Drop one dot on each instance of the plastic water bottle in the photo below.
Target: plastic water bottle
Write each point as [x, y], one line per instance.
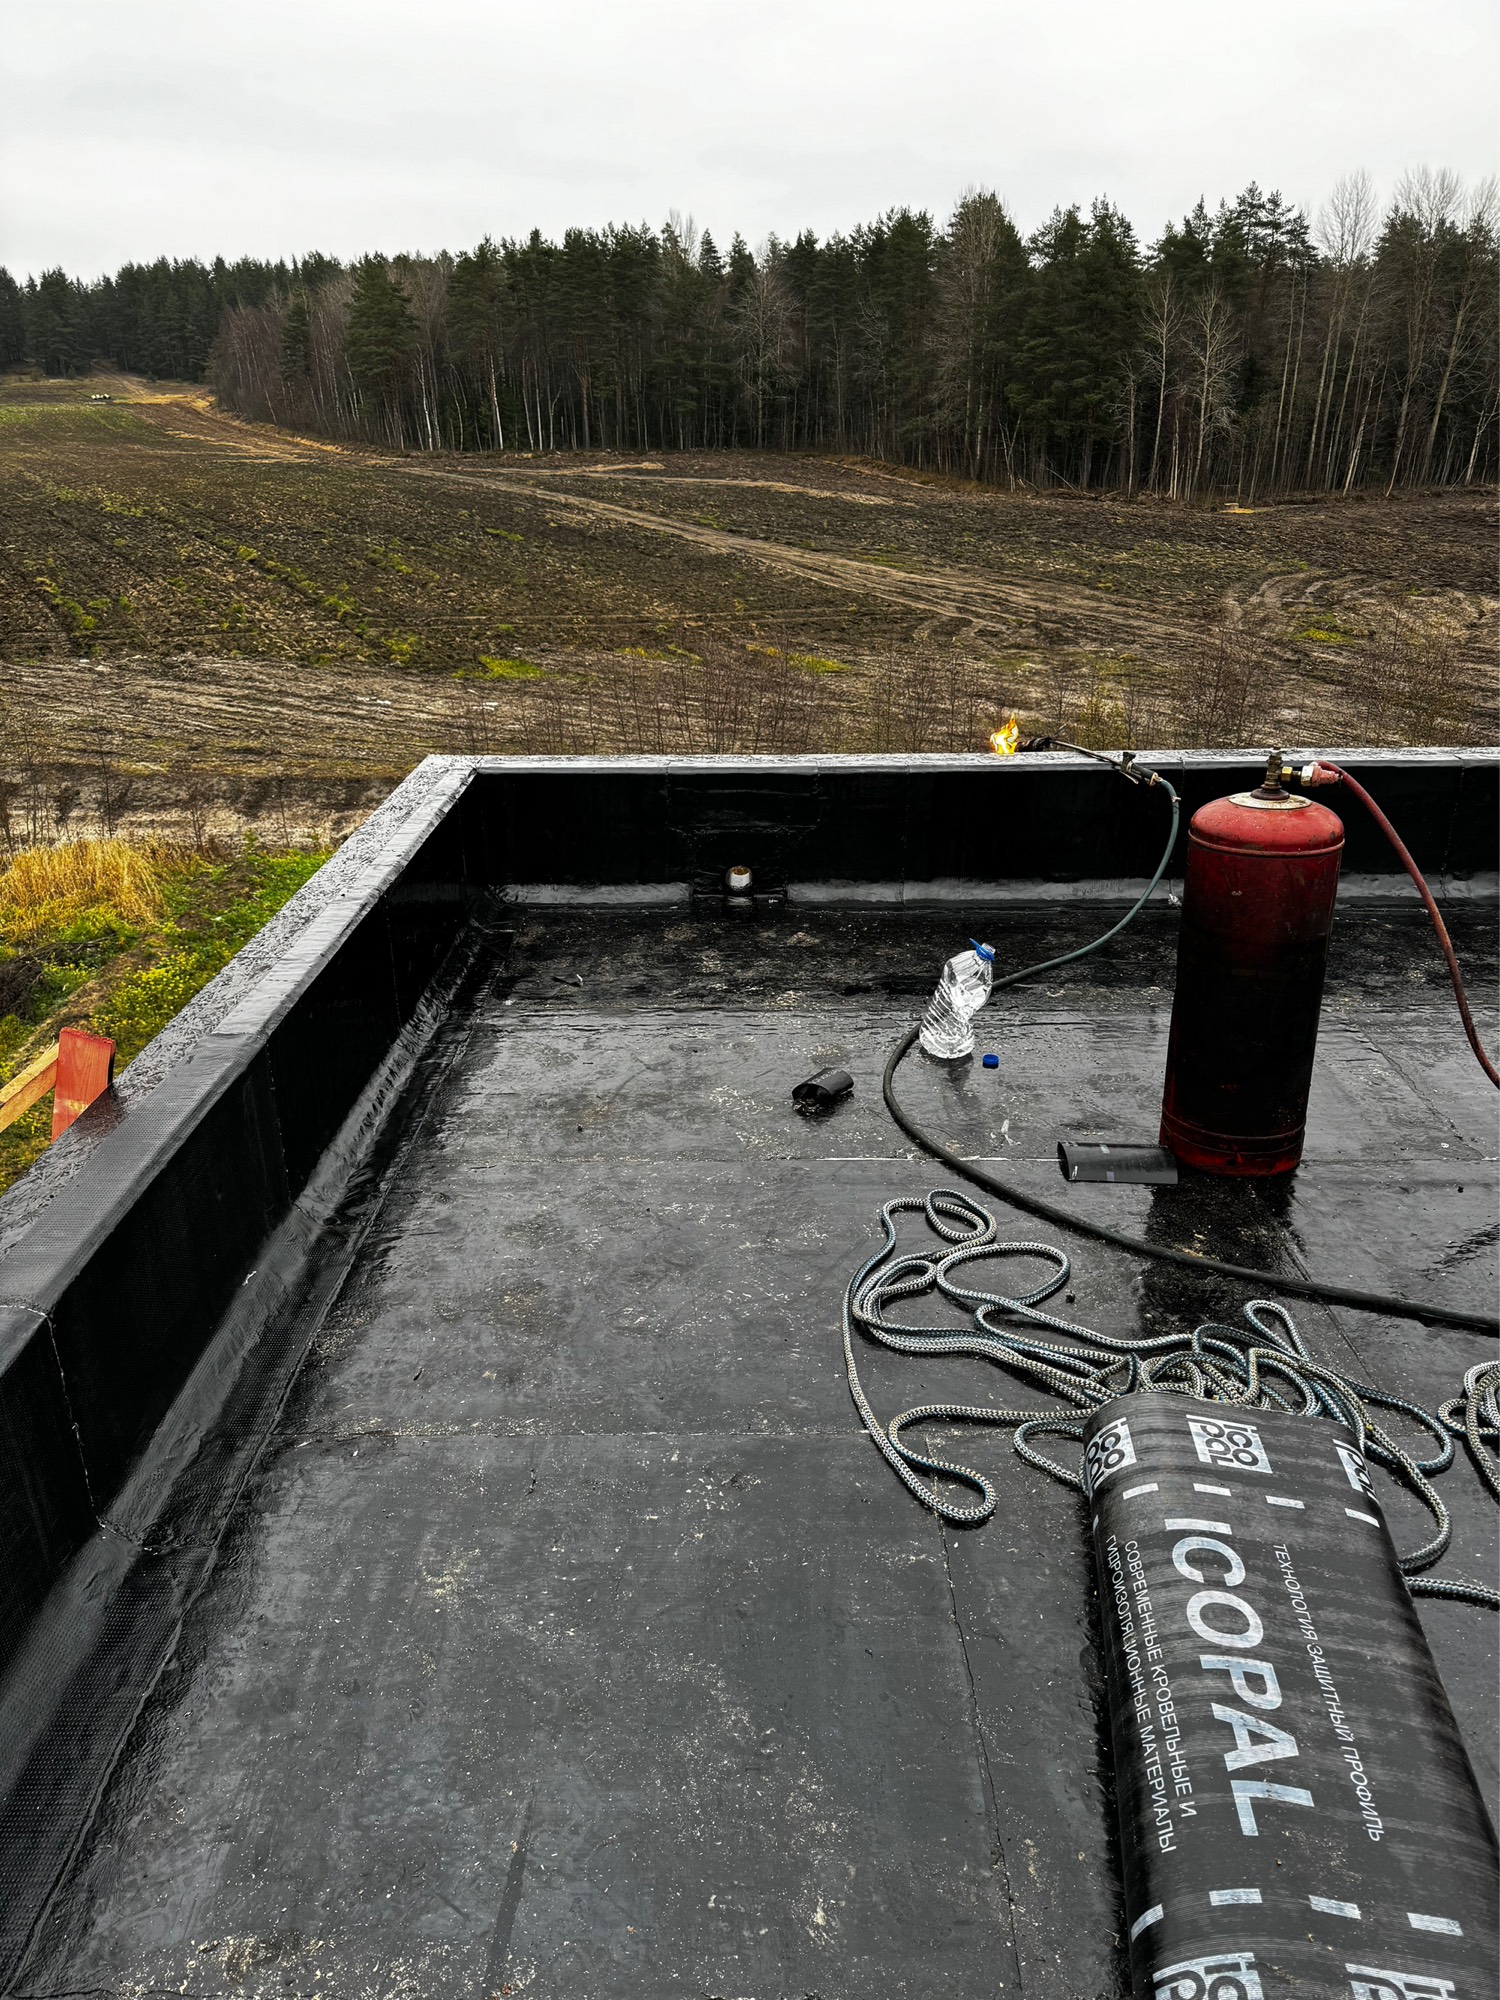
[948, 1025]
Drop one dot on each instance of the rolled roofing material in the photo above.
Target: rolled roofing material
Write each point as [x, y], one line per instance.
[1297, 1811]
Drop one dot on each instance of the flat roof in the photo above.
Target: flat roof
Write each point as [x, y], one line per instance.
[570, 1638]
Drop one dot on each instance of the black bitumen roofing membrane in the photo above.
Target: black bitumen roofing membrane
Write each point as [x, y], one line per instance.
[534, 1617]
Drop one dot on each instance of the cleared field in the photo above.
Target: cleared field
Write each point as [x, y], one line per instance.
[209, 621]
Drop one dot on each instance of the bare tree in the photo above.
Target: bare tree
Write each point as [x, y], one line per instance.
[1162, 318]
[1476, 249]
[1427, 205]
[763, 319]
[1346, 237]
[113, 789]
[26, 793]
[1412, 684]
[1212, 343]
[194, 796]
[1221, 688]
[1345, 229]
[426, 283]
[332, 391]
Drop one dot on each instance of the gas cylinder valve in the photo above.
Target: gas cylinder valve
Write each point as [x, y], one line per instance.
[1273, 784]
[1280, 774]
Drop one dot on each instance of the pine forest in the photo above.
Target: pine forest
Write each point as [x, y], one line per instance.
[1251, 350]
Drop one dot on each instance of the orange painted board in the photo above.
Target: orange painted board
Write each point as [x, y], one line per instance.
[85, 1070]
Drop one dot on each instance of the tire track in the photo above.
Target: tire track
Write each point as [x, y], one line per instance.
[982, 604]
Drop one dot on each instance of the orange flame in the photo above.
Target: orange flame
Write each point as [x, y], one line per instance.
[1005, 741]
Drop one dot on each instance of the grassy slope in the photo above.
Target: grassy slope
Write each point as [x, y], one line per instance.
[89, 962]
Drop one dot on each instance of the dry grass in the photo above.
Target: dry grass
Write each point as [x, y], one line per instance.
[1416, 686]
[707, 694]
[117, 938]
[43, 887]
[1227, 684]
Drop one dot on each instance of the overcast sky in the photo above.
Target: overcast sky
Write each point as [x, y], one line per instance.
[137, 128]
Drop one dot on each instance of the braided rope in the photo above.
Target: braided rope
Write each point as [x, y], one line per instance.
[1480, 1419]
[1263, 1364]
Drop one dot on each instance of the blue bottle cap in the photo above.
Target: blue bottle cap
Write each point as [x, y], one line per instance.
[984, 951]
[990, 1062]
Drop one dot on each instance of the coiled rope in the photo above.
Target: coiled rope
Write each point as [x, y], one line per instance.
[1475, 1415]
[1263, 1364]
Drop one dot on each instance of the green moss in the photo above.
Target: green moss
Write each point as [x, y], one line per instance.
[492, 669]
[1328, 635]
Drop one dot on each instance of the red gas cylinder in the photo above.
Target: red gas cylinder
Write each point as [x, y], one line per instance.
[1257, 909]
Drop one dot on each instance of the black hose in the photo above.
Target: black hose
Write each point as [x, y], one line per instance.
[1187, 1260]
[1263, 1363]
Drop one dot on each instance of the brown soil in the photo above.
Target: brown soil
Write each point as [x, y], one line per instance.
[278, 623]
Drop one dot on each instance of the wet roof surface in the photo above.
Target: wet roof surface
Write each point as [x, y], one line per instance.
[570, 1637]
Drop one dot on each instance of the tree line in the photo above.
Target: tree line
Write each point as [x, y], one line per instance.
[1253, 349]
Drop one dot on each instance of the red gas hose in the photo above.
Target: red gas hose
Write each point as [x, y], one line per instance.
[1337, 775]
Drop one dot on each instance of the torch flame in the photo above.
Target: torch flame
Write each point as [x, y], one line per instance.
[1005, 741]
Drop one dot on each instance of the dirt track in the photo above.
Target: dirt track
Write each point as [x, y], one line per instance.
[978, 601]
[976, 604]
[296, 622]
